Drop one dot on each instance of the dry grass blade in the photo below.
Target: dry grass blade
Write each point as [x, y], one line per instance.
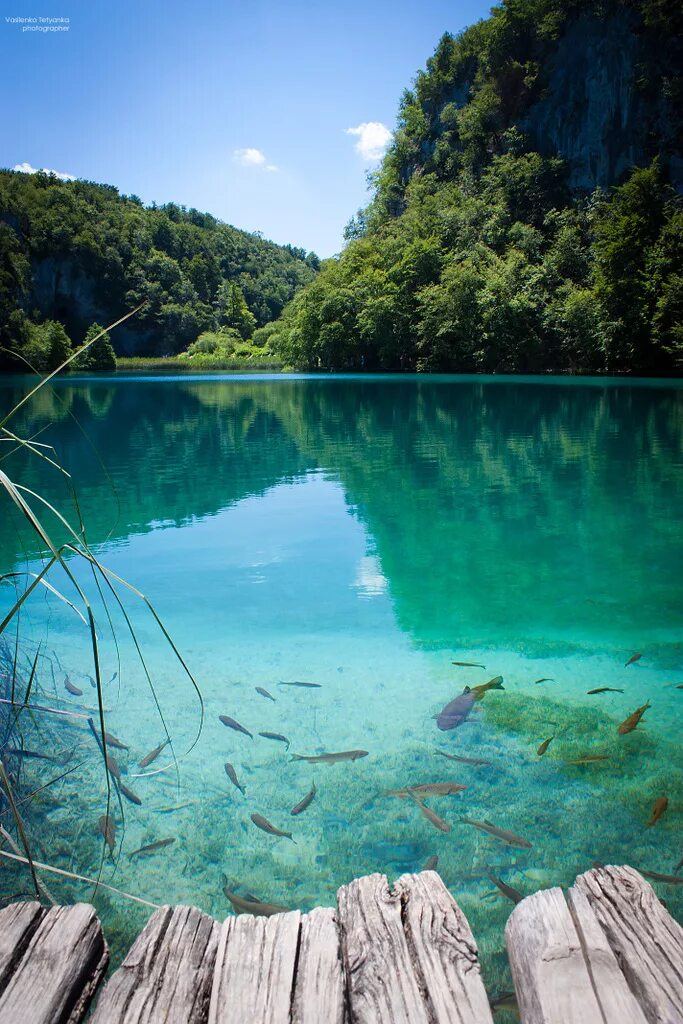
[78, 878]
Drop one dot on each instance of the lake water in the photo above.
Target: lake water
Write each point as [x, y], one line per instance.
[361, 534]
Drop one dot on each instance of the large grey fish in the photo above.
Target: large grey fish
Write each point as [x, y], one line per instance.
[151, 847]
[456, 711]
[343, 755]
[275, 736]
[264, 693]
[68, 685]
[266, 826]
[232, 775]
[430, 815]
[306, 802]
[242, 905]
[112, 741]
[431, 864]
[499, 833]
[153, 754]
[107, 827]
[507, 890]
[428, 789]
[232, 724]
[129, 794]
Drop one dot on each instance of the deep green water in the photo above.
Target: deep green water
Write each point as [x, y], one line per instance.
[363, 533]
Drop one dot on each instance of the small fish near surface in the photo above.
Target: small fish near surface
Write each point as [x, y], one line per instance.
[605, 689]
[242, 905]
[428, 789]
[264, 693]
[153, 755]
[629, 724]
[69, 686]
[587, 758]
[465, 760]
[507, 890]
[468, 664]
[143, 851]
[333, 758]
[275, 736]
[431, 864]
[545, 679]
[544, 746]
[107, 828]
[306, 802]
[232, 724]
[658, 808]
[298, 682]
[493, 684]
[430, 815]
[456, 711]
[634, 657]
[509, 838]
[266, 826]
[232, 775]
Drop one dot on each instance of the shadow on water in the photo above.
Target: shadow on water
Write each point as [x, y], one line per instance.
[530, 525]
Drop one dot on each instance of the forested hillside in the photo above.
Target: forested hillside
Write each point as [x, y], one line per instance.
[74, 253]
[527, 216]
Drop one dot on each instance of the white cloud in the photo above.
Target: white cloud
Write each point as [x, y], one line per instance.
[370, 580]
[373, 139]
[26, 168]
[251, 157]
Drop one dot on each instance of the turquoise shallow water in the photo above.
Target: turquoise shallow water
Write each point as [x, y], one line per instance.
[363, 533]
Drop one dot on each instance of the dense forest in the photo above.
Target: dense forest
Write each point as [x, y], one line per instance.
[73, 253]
[527, 216]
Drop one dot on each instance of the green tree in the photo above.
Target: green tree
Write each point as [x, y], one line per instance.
[100, 356]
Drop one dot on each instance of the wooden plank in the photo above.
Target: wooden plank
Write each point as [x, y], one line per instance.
[18, 922]
[167, 974]
[62, 965]
[551, 978]
[648, 943]
[319, 982]
[254, 974]
[443, 951]
[381, 981]
[617, 1002]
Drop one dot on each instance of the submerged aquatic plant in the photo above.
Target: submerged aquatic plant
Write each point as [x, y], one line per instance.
[23, 699]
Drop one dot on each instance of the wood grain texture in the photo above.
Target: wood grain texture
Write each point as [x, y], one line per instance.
[61, 966]
[254, 973]
[443, 951]
[319, 982]
[18, 922]
[645, 938]
[167, 974]
[551, 978]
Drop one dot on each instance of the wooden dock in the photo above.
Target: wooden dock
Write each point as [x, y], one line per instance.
[606, 953]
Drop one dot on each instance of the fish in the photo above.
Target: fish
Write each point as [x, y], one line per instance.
[468, 664]
[658, 808]
[113, 678]
[306, 802]
[544, 746]
[92, 681]
[464, 760]
[264, 693]
[634, 657]
[68, 685]
[232, 775]
[266, 826]
[428, 789]
[456, 711]
[176, 807]
[504, 1001]
[232, 724]
[629, 724]
[587, 758]
[275, 736]
[430, 815]
[151, 847]
[297, 682]
[499, 833]
[343, 755]
[242, 905]
[129, 794]
[112, 741]
[546, 679]
[507, 890]
[153, 755]
[431, 864]
[679, 686]
[113, 767]
[657, 877]
[107, 828]
[493, 684]
[605, 689]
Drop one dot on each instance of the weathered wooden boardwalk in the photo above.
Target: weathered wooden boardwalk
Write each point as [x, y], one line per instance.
[608, 953]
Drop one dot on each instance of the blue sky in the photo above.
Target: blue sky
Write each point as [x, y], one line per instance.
[240, 109]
